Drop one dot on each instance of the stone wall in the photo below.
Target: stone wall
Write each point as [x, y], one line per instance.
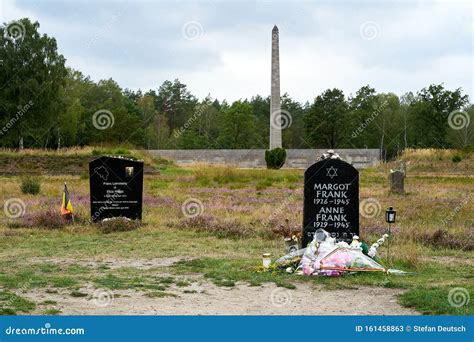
[301, 158]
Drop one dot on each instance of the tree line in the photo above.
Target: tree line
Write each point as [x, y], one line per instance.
[45, 104]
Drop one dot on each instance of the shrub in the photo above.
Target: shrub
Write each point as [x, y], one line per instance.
[30, 185]
[287, 229]
[49, 219]
[443, 239]
[275, 158]
[456, 158]
[118, 224]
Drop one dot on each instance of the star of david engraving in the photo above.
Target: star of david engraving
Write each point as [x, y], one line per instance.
[331, 172]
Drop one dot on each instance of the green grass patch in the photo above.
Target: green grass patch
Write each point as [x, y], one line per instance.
[182, 283]
[63, 281]
[52, 312]
[165, 280]
[159, 294]
[439, 300]
[78, 294]
[266, 183]
[159, 184]
[11, 304]
[114, 282]
[227, 272]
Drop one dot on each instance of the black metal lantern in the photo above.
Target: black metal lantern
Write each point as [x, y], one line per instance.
[390, 215]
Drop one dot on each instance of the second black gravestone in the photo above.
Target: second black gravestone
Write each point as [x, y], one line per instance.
[331, 200]
[116, 188]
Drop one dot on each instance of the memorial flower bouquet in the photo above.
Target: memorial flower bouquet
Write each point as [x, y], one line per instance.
[323, 256]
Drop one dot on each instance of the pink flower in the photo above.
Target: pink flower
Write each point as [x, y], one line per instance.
[307, 270]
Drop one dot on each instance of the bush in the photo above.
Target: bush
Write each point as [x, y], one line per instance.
[442, 239]
[47, 219]
[30, 185]
[275, 158]
[456, 158]
[287, 229]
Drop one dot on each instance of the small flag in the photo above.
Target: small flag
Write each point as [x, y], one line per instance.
[66, 207]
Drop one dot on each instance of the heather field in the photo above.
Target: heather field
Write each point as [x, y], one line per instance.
[203, 233]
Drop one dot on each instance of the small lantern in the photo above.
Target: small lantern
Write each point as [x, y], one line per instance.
[390, 215]
[266, 260]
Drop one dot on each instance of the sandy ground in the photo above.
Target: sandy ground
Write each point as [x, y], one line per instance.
[239, 300]
[204, 298]
[114, 263]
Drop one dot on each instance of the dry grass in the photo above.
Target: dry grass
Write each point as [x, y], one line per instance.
[247, 212]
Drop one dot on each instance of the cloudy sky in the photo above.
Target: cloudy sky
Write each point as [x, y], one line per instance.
[223, 47]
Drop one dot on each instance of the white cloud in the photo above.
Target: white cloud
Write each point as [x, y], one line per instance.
[416, 44]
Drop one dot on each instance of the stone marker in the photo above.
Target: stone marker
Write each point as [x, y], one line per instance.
[116, 188]
[403, 168]
[397, 181]
[331, 199]
[275, 106]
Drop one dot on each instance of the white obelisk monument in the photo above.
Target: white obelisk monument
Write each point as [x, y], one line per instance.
[275, 106]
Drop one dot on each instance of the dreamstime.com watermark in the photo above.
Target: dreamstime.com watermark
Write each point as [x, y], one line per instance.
[370, 208]
[19, 114]
[369, 30]
[15, 31]
[281, 297]
[14, 208]
[458, 297]
[282, 207]
[281, 119]
[192, 30]
[106, 205]
[459, 119]
[368, 120]
[192, 207]
[102, 32]
[103, 119]
[46, 330]
[458, 208]
[23, 288]
[199, 111]
[102, 297]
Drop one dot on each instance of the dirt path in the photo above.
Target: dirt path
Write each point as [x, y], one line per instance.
[207, 299]
[202, 297]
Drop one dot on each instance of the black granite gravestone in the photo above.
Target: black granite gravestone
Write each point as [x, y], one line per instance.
[331, 200]
[116, 188]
